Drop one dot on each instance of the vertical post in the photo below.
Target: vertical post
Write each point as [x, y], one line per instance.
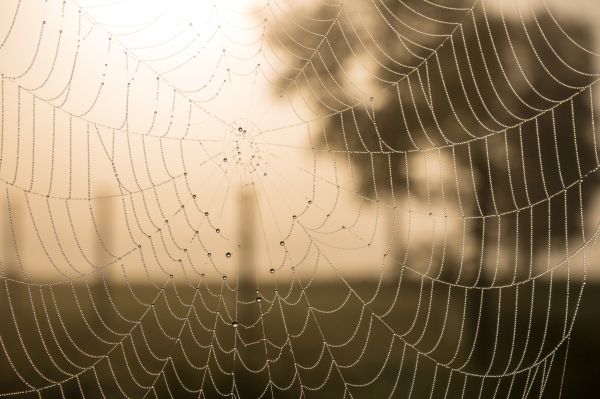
[246, 261]
[102, 234]
[9, 266]
[12, 271]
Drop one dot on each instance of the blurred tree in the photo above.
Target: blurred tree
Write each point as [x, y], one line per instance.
[504, 98]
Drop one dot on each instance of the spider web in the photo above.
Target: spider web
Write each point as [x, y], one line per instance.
[364, 199]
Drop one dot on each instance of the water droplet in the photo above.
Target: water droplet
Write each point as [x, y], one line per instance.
[271, 270]
[224, 277]
[218, 231]
[202, 275]
[258, 299]
[240, 129]
[170, 276]
[309, 202]
[209, 254]
[234, 324]
[371, 99]
[228, 254]
[224, 159]
[205, 213]
[294, 217]
[282, 243]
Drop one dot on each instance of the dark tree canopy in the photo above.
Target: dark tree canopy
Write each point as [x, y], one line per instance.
[505, 98]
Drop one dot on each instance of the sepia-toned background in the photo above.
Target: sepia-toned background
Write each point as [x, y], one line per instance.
[299, 199]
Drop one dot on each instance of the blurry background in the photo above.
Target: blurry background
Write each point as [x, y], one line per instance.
[308, 199]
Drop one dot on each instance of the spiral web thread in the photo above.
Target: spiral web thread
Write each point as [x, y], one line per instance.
[372, 266]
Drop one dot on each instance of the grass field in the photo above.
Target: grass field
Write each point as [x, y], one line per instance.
[417, 315]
